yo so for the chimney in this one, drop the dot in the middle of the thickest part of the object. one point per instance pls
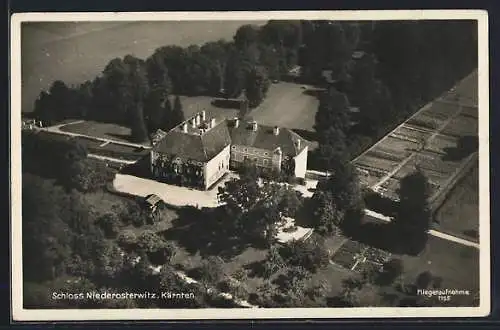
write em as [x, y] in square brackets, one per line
[203, 115]
[298, 144]
[254, 126]
[185, 127]
[193, 122]
[276, 130]
[236, 122]
[198, 119]
[212, 122]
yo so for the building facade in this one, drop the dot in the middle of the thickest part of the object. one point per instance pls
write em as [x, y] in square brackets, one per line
[198, 152]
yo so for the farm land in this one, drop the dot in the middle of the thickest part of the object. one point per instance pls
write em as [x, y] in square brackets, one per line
[430, 139]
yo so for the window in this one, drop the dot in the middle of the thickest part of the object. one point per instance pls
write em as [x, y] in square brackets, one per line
[265, 162]
[266, 153]
[245, 150]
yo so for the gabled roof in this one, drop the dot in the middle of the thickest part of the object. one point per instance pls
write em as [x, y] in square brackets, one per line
[195, 146]
[264, 138]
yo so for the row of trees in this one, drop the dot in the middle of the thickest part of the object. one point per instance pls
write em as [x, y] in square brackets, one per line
[135, 92]
[129, 92]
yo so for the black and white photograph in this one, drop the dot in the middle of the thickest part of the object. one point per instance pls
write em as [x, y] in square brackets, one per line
[236, 165]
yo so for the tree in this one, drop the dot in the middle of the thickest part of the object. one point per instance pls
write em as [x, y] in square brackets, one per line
[87, 175]
[391, 270]
[257, 85]
[127, 240]
[291, 202]
[413, 218]
[177, 113]
[332, 112]
[327, 217]
[110, 224]
[329, 45]
[311, 255]
[47, 243]
[357, 293]
[218, 53]
[332, 150]
[150, 242]
[293, 286]
[109, 263]
[246, 35]
[343, 190]
[139, 130]
[211, 272]
[274, 262]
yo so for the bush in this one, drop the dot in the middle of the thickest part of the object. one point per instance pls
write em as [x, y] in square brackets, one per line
[110, 224]
[391, 270]
[309, 254]
[127, 240]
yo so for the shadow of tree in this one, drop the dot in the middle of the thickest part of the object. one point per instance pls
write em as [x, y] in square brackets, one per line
[465, 146]
[141, 168]
[226, 104]
[314, 92]
[379, 235]
[304, 214]
[208, 232]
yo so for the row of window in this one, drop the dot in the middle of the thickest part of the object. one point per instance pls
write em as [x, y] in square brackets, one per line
[266, 153]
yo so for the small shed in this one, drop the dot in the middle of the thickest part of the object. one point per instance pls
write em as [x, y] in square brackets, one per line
[153, 201]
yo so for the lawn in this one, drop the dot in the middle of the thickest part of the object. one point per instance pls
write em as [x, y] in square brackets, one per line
[100, 130]
[192, 105]
[455, 264]
[459, 214]
[288, 105]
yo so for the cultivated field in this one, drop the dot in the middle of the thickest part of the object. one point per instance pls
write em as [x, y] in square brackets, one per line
[430, 139]
[75, 52]
[459, 213]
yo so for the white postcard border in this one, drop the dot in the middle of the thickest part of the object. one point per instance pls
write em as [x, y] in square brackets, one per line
[21, 314]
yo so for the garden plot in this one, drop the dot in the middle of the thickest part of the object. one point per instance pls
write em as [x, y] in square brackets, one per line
[426, 120]
[359, 257]
[369, 177]
[470, 111]
[441, 144]
[345, 256]
[442, 109]
[462, 126]
[414, 133]
[434, 162]
[389, 188]
[396, 146]
[372, 161]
